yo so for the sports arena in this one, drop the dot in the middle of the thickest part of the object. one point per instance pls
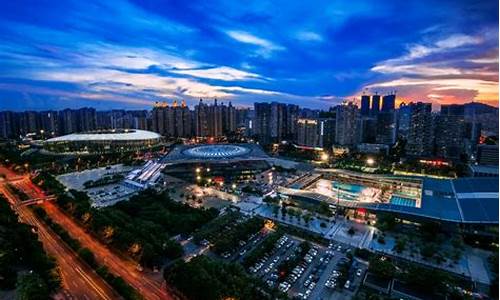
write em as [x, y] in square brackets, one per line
[216, 162]
[104, 141]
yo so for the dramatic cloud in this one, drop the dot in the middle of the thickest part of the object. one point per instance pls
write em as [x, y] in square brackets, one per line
[131, 53]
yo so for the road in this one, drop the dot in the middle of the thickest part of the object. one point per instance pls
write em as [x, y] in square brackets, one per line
[79, 281]
[144, 283]
[150, 286]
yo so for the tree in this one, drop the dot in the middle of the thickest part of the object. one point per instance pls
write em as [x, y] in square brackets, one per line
[87, 256]
[31, 287]
[382, 267]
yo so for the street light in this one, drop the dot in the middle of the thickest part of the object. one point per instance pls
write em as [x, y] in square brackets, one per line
[324, 156]
[370, 161]
[198, 170]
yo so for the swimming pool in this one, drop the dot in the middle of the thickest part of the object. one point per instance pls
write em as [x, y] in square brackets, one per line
[345, 191]
[353, 188]
[397, 200]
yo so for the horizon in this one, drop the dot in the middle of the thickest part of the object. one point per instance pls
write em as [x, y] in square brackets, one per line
[128, 55]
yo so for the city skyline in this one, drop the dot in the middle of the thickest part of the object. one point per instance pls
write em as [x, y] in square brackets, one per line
[129, 55]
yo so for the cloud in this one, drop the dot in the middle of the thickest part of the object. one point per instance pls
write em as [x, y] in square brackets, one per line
[435, 69]
[309, 36]
[219, 73]
[266, 47]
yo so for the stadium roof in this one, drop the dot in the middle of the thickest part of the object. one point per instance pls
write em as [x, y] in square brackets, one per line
[215, 152]
[124, 135]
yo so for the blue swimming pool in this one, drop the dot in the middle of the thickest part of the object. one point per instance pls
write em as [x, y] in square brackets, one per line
[397, 200]
[353, 188]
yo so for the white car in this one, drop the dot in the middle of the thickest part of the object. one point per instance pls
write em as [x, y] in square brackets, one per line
[359, 272]
[347, 284]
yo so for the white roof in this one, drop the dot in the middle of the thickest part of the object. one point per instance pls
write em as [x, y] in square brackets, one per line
[131, 135]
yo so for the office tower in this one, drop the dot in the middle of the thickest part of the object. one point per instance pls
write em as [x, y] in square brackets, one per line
[375, 107]
[450, 131]
[347, 125]
[365, 105]
[404, 118]
[420, 135]
[388, 103]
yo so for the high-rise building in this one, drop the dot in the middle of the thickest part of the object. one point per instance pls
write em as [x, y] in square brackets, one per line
[172, 121]
[388, 103]
[201, 119]
[450, 131]
[386, 128]
[404, 118]
[9, 124]
[375, 107]
[365, 105]
[308, 133]
[347, 125]
[420, 135]
[368, 130]
[275, 122]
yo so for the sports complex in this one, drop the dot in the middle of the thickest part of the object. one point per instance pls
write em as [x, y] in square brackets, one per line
[465, 201]
[218, 161]
[104, 141]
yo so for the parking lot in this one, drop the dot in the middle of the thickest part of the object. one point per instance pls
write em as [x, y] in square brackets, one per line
[313, 272]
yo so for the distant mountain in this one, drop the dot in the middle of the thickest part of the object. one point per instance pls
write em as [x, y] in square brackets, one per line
[480, 108]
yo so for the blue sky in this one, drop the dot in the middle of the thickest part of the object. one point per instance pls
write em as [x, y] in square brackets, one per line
[129, 54]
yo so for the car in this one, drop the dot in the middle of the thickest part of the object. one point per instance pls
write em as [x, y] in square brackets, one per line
[347, 284]
[242, 252]
[359, 272]
[307, 282]
[275, 260]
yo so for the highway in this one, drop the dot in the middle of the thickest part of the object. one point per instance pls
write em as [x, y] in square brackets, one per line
[145, 284]
[79, 281]
[150, 286]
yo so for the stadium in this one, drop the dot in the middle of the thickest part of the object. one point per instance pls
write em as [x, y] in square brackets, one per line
[219, 162]
[104, 141]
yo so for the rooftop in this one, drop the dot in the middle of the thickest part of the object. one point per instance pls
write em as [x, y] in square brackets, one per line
[116, 135]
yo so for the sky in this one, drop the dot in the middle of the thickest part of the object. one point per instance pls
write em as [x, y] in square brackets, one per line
[129, 54]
